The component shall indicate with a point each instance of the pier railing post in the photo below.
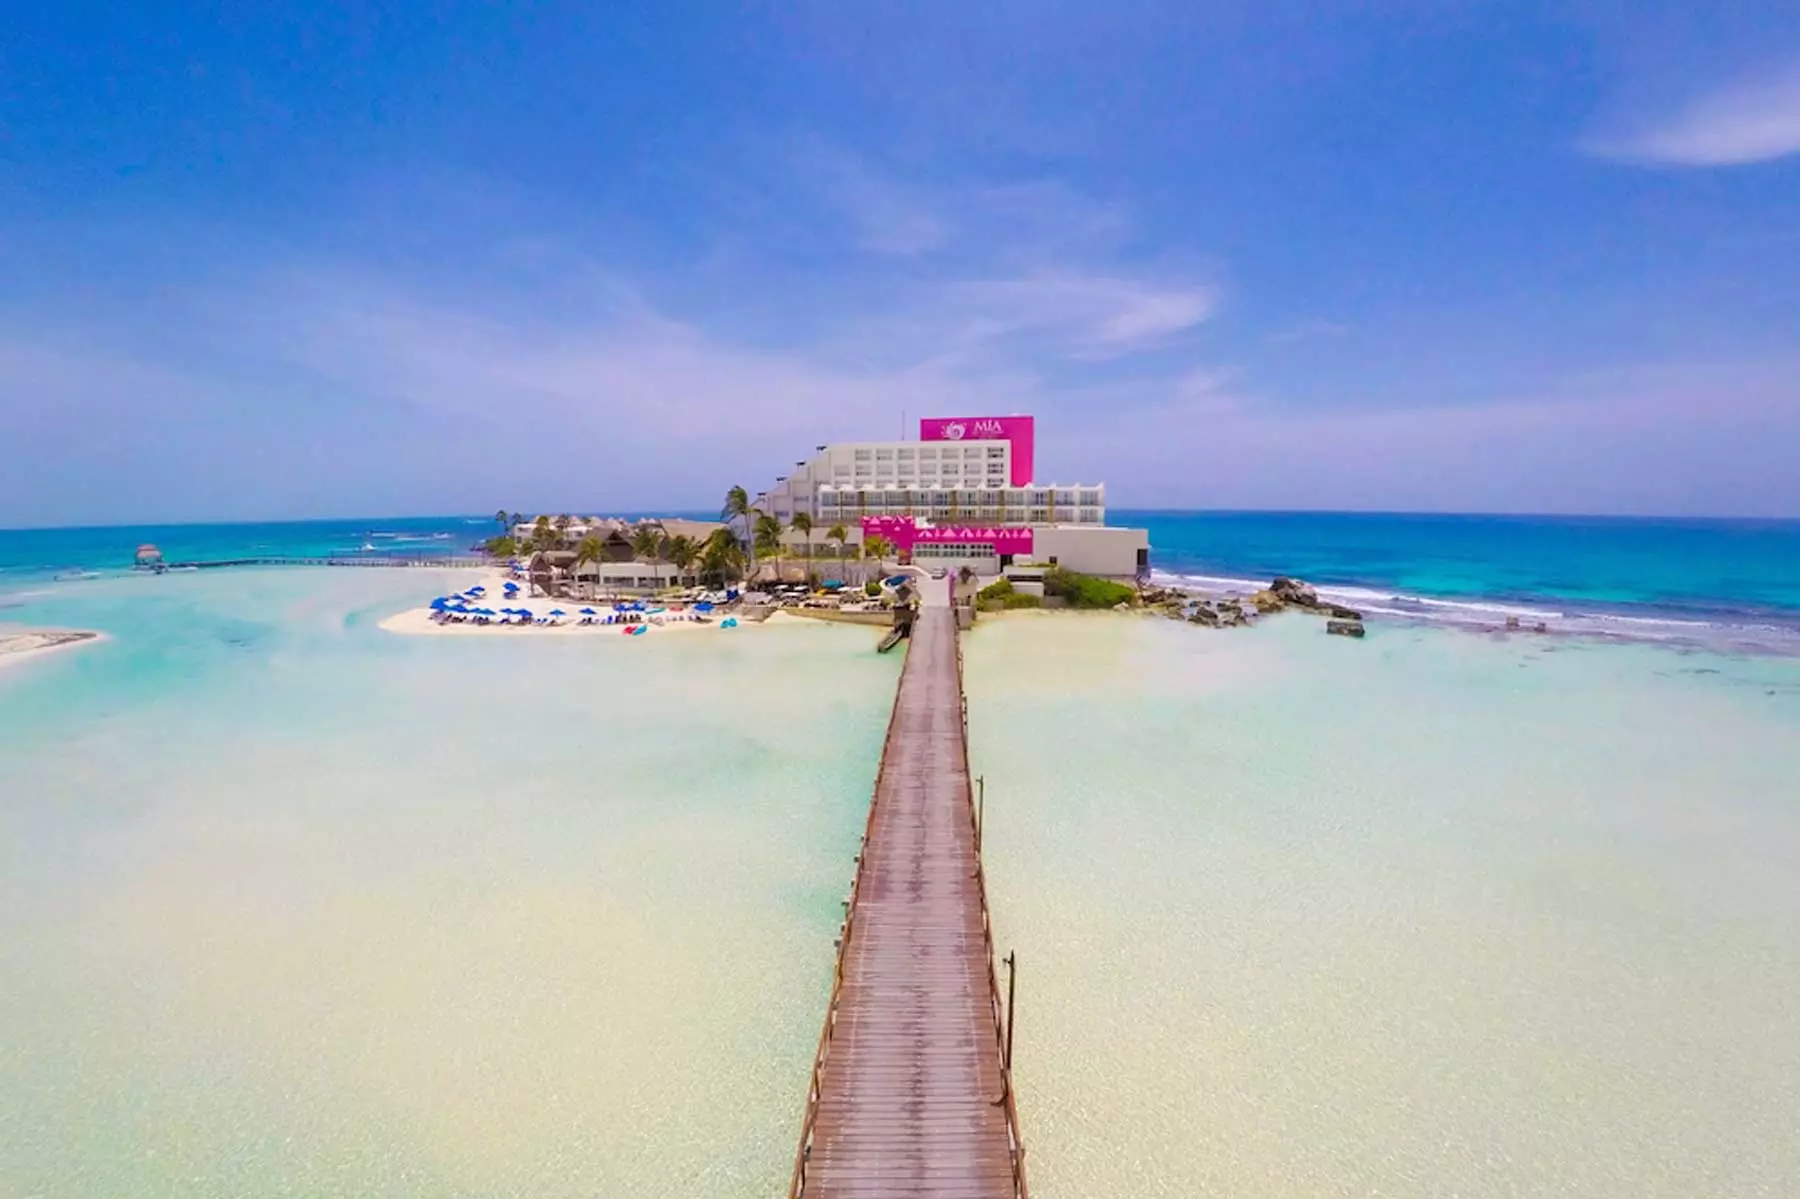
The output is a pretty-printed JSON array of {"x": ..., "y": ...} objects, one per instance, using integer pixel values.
[
  {"x": 980, "y": 809},
  {"x": 1012, "y": 979}
]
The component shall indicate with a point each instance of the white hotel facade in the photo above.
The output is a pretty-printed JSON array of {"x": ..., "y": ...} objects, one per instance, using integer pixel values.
[
  {"x": 954, "y": 481},
  {"x": 949, "y": 481}
]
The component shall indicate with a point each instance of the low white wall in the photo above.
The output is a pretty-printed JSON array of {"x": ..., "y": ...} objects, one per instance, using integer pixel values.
[{"x": 1105, "y": 551}]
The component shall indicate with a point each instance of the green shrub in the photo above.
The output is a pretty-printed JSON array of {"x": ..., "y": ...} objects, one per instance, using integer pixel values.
[
  {"x": 1019, "y": 599},
  {"x": 872, "y": 589},
  {"x": 1085, "y": 591},
  {"x": 997, "y": 590}
]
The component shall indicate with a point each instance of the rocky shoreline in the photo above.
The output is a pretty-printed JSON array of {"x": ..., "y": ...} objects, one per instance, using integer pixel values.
[
  {"x": 1283, "y": 594},
  {"x": 1230, "y": 612}
]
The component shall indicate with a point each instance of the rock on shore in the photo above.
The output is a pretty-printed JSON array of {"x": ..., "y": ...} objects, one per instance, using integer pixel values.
[{"x": 1224, "y": 612}]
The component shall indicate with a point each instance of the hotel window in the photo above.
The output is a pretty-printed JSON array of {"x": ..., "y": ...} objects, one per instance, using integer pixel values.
[
  {"x": 973, "y": 451},
  {"x": 996, "y": 451},
  {"x": 906, "y": 453},
  {"x": 884, "y": 453},
  {"x": 940, "y": 498},
  {"x": 928, "y": 451},
  {"x": 1040, "y": 498},
  {"x": 863, "y": 455},
  {"x": 863, "y": 472},
  {"x": 1090, "y": 516},
  {"x": 1090, "y": 497}
]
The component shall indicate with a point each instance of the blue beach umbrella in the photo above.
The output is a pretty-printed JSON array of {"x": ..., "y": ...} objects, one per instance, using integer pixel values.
[
  {"x": 589, "y": 612},
  {"x": 557, "y": 612},
  {"x": 439, "y": 604}
]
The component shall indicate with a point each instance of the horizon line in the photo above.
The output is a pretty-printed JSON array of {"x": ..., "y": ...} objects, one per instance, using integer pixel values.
[{"x": 688, "y": 513}]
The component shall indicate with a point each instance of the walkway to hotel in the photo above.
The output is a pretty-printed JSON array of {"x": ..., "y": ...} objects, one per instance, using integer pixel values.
[{"x": 910, "y": 1093}]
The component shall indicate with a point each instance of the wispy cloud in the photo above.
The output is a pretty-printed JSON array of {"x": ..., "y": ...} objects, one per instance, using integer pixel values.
[
  {"x": 881, "y": 211},
  {"x": 1749, "y": 120},
  {"x": 1308, "y": 331},
  {"x": 1092, "y": 317}
]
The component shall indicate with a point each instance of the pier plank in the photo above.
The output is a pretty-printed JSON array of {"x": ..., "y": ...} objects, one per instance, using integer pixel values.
[{"x": 911, "y": 1090}]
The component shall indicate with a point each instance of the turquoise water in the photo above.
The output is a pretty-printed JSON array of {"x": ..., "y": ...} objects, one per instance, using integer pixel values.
[
  {"x": 1429, "y": 914},
  {"x": 299, "y": 907},
  {"x": 1730, "y": 583},
  {"x": 1717, "y": 583},
  {"x": 27, "y": 554}
]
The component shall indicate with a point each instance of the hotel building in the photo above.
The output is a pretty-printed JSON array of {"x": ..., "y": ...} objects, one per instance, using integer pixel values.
[{"x": 964, "y": 493}]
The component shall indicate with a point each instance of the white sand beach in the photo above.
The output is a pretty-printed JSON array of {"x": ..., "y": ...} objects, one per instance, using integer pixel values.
[
  {"x": 418, "y": 621},
  {"x": 16, "y": 644}
]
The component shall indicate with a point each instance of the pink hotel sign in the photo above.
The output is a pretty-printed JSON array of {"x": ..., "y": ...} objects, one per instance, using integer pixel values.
[
  {"x": 905, "y": 533},
  {"x": 1020, "y": 430}
]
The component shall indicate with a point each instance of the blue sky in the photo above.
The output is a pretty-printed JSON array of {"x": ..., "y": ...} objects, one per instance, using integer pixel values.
[{"x": 284, "y": 262}]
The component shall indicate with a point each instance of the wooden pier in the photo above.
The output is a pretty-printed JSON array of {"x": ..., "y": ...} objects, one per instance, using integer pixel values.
[
  {"x": 447, "y": 562},
  {"x": 911, "y": 1090}
]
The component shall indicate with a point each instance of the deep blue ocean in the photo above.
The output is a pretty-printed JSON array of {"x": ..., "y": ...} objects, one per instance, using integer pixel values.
[{"x": 1731, "y": 581}]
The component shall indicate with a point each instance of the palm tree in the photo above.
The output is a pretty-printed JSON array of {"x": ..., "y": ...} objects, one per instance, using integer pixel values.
[
  {"x": 738, "y": 507},
  {"x": 840, "y": 535},
  {"x": 562, "y": 524},
  {"x": 500, "y": 519},
  {"x": 768, "y": 540},
  {"x": 591, "y": 549},
  {"x": 646, "y": 546},
  {"x": 877, "y": 547},
  {"x": 681, "y": 551},
  {"x": 721, "y": 556},
  {"x": 514, "y": 521},
  {"x": 802, "y": 524},
  {"x": 543, "y": 537}
]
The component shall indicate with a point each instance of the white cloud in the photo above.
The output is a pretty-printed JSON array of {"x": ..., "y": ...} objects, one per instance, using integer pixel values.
[
  {"x": 1081, "y": 316},
  {"x": 1756, "y": 119}
]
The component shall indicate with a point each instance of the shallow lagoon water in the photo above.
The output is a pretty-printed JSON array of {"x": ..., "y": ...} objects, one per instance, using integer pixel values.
[
  {"x": 1427, "y": 914},
  {"x": 297, "y": 907}
]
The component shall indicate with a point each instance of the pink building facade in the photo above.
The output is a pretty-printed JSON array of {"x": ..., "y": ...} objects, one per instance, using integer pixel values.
[
  {"x": 1020, "y": 431},
  {"x": 907, "y": 535}
]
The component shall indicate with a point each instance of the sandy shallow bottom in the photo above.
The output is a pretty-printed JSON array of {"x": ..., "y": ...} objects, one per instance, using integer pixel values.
[
  {"x": 296, "y": 907},
  {"x": 17, "y": 644},
  {"x": 1423, "y": 915}
]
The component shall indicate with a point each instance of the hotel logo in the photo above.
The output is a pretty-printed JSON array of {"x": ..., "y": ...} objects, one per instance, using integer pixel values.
[{"x": 954, "y": 431}]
